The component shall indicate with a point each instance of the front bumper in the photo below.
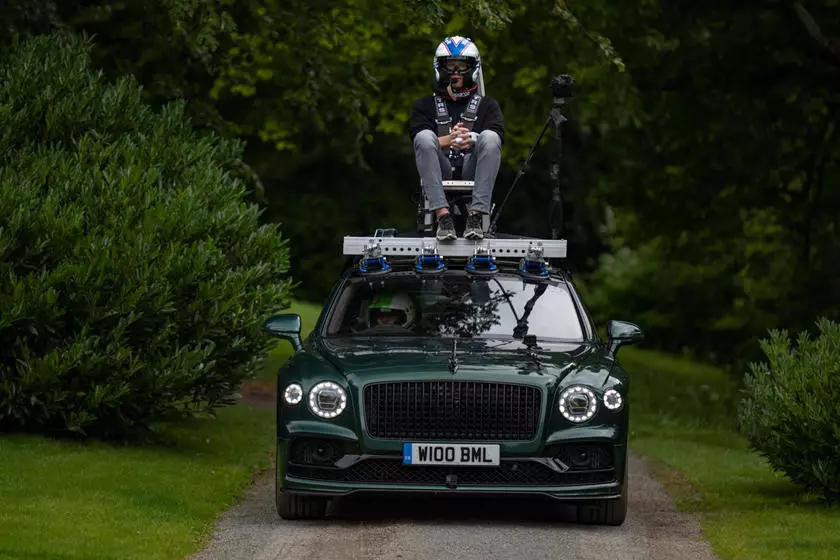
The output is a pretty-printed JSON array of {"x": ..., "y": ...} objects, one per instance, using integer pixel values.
[{"x": 524, "y": 470}]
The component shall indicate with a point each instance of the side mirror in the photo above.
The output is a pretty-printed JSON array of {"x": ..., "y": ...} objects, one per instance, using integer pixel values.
[
  {"x": 621, "y": 333},
  {"x": 286, "y": 326}
]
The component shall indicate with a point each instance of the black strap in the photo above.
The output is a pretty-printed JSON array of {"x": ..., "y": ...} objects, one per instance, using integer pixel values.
[
  {"x": 442, "y": 117},
  {"x": 471, "y": 114},
  {"x": 444, "y": 120},
  {"x": 444, "y": 123}
]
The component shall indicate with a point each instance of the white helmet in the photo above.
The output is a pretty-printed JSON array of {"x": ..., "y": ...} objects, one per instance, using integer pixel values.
[
  {"x": 458, "y": 48},
  {"x": 400, "y": 302}
]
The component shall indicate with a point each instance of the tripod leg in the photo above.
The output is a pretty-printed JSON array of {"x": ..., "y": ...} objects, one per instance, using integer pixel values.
[{"x": 519, "y": 174}]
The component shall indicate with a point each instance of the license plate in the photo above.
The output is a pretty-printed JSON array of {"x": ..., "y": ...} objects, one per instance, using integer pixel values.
[{"x": 481, "y": 455}]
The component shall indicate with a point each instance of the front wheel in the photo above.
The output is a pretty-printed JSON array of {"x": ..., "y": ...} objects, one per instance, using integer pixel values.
[
  {"x": 290, "y": 506},
  {"x": 605, "y": 512}
]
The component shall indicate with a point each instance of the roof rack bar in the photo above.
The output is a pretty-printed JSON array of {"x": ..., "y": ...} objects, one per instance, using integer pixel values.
[{"x": 412, "y": 246}]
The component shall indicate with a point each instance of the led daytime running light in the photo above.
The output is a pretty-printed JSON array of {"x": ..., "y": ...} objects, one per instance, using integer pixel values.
[
  {"x": 613, "y": 400},
  {"x": 293, "y": 393},
  {"x": 315, "y": 403}
]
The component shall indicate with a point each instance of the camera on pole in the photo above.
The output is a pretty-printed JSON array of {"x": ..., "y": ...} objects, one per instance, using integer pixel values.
[{"x": 561, "y": 89}]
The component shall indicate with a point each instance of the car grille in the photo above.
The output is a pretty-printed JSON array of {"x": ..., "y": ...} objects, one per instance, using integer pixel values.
[
  {"x": 462, "y": 410},
  {"x": 509, "y": 473}
]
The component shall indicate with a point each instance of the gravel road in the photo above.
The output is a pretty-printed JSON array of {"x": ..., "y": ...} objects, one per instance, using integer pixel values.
[{"x": 431, "y": 528}]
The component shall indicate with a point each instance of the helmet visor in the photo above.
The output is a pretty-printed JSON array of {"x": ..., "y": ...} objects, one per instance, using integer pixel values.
[
  {"x": 457, "y": 64},
  {"x": 387, "y": 317}
]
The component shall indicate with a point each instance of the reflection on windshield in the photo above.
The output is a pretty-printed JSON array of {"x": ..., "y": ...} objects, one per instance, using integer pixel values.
[{"x": 457, "y": 305}]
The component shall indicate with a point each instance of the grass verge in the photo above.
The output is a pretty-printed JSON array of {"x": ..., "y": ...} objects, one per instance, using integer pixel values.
[
  {"x": 74, "y": 501},
  {"x": 683, "y": 418}
]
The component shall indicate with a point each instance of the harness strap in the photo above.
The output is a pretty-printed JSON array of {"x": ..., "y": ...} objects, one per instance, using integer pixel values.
[
  {"x": 442, "y": 117},
  {"x": 471, "y": 114},
  {"x": 444, "y": 123}
]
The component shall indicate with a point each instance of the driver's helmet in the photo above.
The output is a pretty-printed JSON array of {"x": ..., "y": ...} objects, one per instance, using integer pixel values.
[
  {"x": 454, "y": 49},
  {"x": 399, "y": 305}
]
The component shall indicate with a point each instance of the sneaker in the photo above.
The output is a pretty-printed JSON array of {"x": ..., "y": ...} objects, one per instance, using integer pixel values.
[
  {"x": 446, "y": 228},
  {"x": 474, "y": 229}
]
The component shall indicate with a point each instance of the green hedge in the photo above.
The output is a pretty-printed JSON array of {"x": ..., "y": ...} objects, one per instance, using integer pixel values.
[
  {"x": 791, "y": 411},
  {"x": 134, "y": 276}
]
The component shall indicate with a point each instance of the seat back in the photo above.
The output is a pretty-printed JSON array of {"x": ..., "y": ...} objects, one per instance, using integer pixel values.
[{"x": 458, "y": 187}]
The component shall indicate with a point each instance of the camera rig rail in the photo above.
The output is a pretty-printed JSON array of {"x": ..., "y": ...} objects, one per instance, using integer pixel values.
[
  {"x": 463, "y": 248},
  {"x": 531, "y": 256}
]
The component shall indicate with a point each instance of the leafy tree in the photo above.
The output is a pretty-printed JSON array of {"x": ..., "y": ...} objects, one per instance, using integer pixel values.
[
  {"x": 724, "y": 210},
  {"x": 136, "y": 278},
  {"x": 301, "y": 81},
  {"x": 700, "y": 152}
]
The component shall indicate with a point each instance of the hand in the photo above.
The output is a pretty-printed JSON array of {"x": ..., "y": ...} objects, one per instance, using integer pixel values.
[
  {"x": 460, "y": 131},
  {"x": 448, "y": 141}
]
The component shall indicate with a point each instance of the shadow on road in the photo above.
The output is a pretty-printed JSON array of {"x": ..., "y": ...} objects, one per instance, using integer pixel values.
[{"x": 453, "y": 509}]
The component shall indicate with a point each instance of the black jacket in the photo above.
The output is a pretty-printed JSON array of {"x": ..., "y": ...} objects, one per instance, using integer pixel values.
[{"x": 489, "y": 115}]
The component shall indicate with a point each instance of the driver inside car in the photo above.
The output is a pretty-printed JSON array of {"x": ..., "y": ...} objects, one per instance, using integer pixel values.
[{"x": 396, "y": 310}]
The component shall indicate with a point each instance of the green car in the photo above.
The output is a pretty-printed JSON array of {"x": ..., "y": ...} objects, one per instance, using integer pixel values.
[{"x": 472, "y": 368}]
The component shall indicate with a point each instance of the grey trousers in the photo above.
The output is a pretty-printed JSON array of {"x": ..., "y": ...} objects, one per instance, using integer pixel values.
[{"x": 481, "y": 165}]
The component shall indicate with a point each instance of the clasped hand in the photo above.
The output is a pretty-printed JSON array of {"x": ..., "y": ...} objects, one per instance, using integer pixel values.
[{"x": 460, "y": 131}]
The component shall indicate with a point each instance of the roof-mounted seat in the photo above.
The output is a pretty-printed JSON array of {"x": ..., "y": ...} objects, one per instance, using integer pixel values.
[{"x": 458, "y": 187}]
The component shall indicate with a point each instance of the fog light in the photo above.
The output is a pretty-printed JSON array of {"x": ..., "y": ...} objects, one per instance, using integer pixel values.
[
  {"x": 320, "y": 452},
  {"x": 581, "y": 457}
]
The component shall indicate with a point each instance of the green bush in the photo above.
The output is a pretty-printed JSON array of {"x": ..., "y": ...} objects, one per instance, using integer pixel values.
[
  {"x": 135, "y": 277},
  {"x": 791, "y": 411}
]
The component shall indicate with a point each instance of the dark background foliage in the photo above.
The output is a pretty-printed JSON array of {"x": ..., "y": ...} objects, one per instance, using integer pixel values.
[{"x": 700, "y": 167}]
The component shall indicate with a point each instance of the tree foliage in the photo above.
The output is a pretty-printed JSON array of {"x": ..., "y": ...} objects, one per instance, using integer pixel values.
[
  {"x": 136, "y": 278},
  {"x": 725, "y": 195},
  {"x": 699, "y": 160}
]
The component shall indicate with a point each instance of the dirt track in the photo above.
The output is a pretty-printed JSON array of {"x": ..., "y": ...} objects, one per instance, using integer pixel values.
[{"x": 432, "y": 528}]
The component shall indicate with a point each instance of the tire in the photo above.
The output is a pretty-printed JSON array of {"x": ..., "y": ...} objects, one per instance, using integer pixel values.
[
  {"x": 605, "y": 512},
  {"x": 290, "y": 506}
]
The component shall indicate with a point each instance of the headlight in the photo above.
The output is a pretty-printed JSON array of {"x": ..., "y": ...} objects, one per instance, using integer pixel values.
[
  {"x": 613, "y": 400},
  {"x": 327, "y": 399},
  {"x": 578, "y": 404},
  {"x": 293, "y": 393}
]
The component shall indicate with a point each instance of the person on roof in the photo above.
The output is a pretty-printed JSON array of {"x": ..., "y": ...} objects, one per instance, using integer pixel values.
[{"x": 457, "y": 126}]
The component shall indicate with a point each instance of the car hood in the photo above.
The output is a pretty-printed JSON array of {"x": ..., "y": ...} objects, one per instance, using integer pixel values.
[{"x": 370, "y": 359}]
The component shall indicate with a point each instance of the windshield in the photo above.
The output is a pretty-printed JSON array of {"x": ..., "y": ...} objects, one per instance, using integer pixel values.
[{"x": 455, "y": 304}]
